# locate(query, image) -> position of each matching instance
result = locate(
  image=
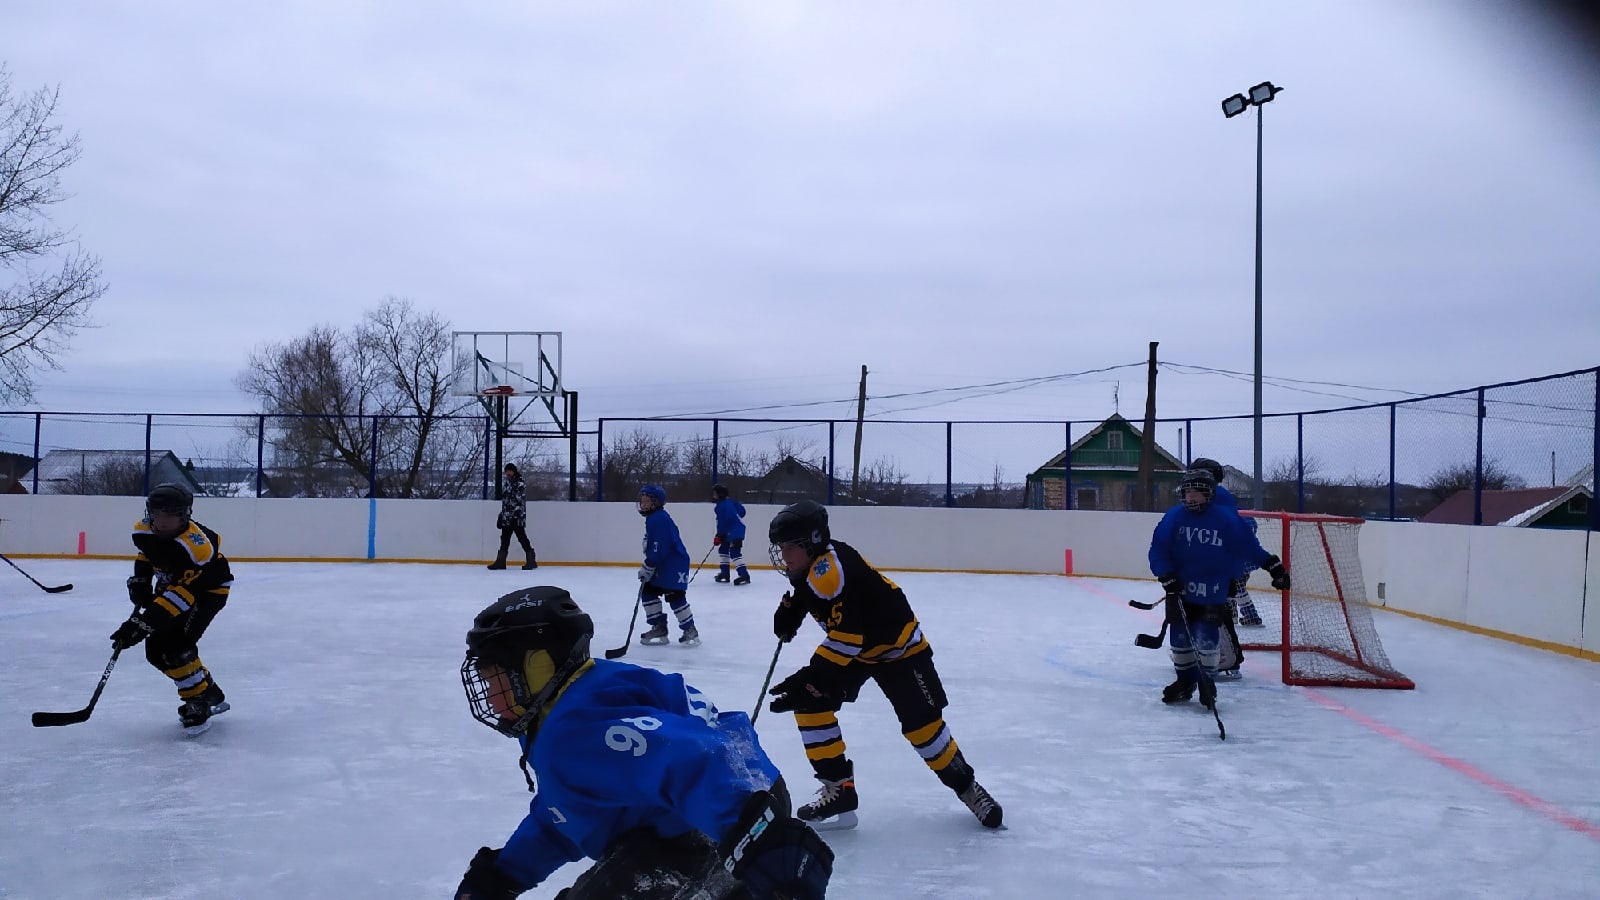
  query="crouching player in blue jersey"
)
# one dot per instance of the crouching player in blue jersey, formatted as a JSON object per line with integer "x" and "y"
{"x": 1196, "y": 551}
{"x": 631, "y": 767}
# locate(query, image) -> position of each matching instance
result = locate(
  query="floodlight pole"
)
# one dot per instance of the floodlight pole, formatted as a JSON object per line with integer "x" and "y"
{"x": 1257, "y": 495}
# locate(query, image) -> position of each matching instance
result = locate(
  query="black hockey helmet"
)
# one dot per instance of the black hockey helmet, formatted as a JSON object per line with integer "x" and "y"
{"x": 719, "y": 491}
{"x": 804, "y": 523}
{"x": 656, "y": 494}
{"x": 520, "y": 650}
{"x": 1210, "y": 465}
{"x": 1197, "y": 481}
{"x": 172, "y": 499}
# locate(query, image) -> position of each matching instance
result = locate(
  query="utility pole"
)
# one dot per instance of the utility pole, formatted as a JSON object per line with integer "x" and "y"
{"x": 1147, "y": 447}
{"x": 861, "y": 414}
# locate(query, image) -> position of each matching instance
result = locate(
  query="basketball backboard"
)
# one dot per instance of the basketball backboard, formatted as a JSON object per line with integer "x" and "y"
{"x": 505, "y": 363}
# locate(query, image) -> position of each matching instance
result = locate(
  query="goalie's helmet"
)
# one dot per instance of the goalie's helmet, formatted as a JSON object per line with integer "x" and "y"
{"x": 520, "y": 651}
{"x": 804, "y": 523}
{"x": 1210, "y": 465}
{"x": 651, "y": 498}
{"x": 172, "y": 499}
{"x": 1197, "y": 489}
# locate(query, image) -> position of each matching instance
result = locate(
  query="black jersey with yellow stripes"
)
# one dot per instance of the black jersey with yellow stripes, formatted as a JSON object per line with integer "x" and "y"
{"x": 186, "y": 566}
{"x": 866, "y": 615}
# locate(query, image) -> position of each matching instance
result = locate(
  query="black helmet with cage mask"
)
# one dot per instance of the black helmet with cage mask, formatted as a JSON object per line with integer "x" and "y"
{"x": 521, "y": 650}
{"x": 804, "y": 524}
{"x": 169, "y": 499}
{"x": 1197, "y": 489}
{"x": 1210, "y": 465}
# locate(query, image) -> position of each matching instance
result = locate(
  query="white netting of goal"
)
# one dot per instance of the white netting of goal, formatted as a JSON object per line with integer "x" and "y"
{"x": 1323, "y": 626}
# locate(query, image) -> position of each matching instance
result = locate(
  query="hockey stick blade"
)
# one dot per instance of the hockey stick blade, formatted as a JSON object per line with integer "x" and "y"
{"x": 619, "y": 652}
{"x": 53, "y": 719}
{"x": 57, "y": 589}
{"x": 1137, "y": 605}
{"x": 48, "y": 589}
{"x": 1151, "y": 641}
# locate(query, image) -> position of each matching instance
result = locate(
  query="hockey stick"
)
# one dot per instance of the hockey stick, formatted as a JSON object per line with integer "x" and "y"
{"x": 618, "y": 652}
{"x": 1150, "y": 641}
{"x": 766, "y": 684}
{"x": 699, "y": 567}
{"x": 52, "y": 719}
{"x": 46, "y": 588}
{"x": 1200, "y": 671}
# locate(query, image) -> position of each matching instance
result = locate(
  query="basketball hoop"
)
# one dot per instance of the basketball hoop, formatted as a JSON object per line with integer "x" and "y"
{"x": 499, "y": 390}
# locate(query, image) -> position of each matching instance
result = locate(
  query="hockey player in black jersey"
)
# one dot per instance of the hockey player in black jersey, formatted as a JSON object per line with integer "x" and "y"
{"x": 191, "y": 584}
{"x": 872, "y": 634}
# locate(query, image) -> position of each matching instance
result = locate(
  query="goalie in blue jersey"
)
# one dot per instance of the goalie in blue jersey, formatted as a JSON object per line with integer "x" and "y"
{"x": 629, "y": 766}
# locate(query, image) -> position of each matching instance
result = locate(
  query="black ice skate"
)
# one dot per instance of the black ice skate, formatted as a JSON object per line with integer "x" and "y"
{"x": 196, "y": 712}
{"x": 1179, "y": 691}
{"x": 690, "y": 637}
{"x": 1208, "y": 693}
{"x": 721, "y": 577}
{"x": 834, "y": 808}
{"x": 982, "y": 805}
{"x": 744, "y": 578}
{"x": 656, "y": 635}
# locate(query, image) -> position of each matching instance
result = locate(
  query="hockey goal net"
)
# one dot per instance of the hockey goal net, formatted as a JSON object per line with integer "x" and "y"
{"x": 1323, "y": 625}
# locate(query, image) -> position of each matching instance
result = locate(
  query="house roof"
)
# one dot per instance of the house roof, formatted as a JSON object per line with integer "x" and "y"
{"x": 1508, "y": 507}
{"x": 1114, "y": 419}
{"x": 60, "y": 465}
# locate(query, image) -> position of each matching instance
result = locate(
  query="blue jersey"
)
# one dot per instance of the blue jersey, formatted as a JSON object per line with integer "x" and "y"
{"x": 1206, "y": 550}
{"x": 730, "y": 519}
{"x": 628, "y": 747}
{"x": 664, "y": 552}
{"x": 1224, "y": 497}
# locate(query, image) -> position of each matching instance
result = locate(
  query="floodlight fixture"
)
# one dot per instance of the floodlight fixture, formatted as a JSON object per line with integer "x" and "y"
{"x": 1263, "y": 92}
{"x": 1234, "y": 105}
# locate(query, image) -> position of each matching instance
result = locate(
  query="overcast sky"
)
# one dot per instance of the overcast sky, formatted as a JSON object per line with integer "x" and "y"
{"x": 726, "y": 205}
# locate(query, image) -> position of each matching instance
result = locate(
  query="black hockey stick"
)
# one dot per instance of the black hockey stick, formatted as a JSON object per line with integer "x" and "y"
{"x": 1150, "y": 641}
{"x": 52, "y": 719}
{"x": 1200, "y": 671}
{"x": 701, "y": 566}
{"x": 46, "y": 588}
{"x": 618, "y": 652}
{"x": 766, "y": 684}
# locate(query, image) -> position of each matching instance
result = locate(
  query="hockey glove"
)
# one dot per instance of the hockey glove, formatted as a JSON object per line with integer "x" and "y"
{"x": 130, "y": 633}
{"x": 776, "y": 856}
{"x": 646, "y": 573}
{"x": 1172, "y": 586}
{"x": 716, "y": 541}
{"x": 140, "y": 592}
{"x": 786, "y": 618}
{"x": 485, "y": 881}
{"x": 806, "y": 691}
{"x": 1280, "y": 575}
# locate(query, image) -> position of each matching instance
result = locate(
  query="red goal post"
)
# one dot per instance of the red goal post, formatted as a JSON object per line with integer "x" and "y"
{"x": 1322, "y": 626}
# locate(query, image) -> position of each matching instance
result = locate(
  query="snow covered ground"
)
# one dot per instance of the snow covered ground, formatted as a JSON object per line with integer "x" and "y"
{"x": 350, "y": 768}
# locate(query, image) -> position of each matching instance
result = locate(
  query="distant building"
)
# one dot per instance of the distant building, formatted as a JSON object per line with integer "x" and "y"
{"x": 1563, "y": 506}
{"x": 1105, "y": 471}
{"x": 111, "y": 472}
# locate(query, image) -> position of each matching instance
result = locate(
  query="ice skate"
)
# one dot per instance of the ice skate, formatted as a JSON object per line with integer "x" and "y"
{"x": 1178, "y": 692}
{"x": 1251, "y": 622}
{"x": 744, "y": 578}
{"x": 982, "y": 805}
{"x": 721, "y": 577}
{"x": 834, "y": 808}
{"x": 690, "y": 637}
{"x": 195, "y": 714}
{"x": 656, "y": 635}
{"x": 1228, "y": 674}
{"x": 1208, "y": 693}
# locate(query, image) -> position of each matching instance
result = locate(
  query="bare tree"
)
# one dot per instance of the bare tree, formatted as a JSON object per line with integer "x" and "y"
{"x": 110, "y": 478}
{"x": 633, "y": 460}
{"x": 48, "y": 284}
{"x": 1462, "y": 477}
{"x": 338, "y": 402}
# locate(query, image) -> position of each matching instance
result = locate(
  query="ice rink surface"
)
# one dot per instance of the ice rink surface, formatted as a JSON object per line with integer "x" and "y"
{"x": 350, "y": 768}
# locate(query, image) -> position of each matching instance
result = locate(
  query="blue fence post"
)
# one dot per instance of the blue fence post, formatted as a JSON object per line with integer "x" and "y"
{"x": 1392, "y": 439}
{"x": 1477, "y": 477}
{"x": 831, "y": 463}
{"x": 38, "y": 429}
{"x": 716, "y": 433}
{"x": 1300, "y": 457}
{"x": 949, "y": 472}
{"x": 1066, "y": 469}
{"x": 261, "y": 454}
{"x": 149, "y": 426}
{"x": 599, "y": 460}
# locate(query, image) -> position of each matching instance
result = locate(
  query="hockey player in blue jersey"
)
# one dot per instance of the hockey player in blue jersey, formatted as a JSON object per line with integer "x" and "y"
{"x": 1241, "y": 608}
{"x": 665, "y": 573}
{"x": 730, "y": 536}
{"x": 1196, "y": 551}
{"x": 631, "y": 767}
